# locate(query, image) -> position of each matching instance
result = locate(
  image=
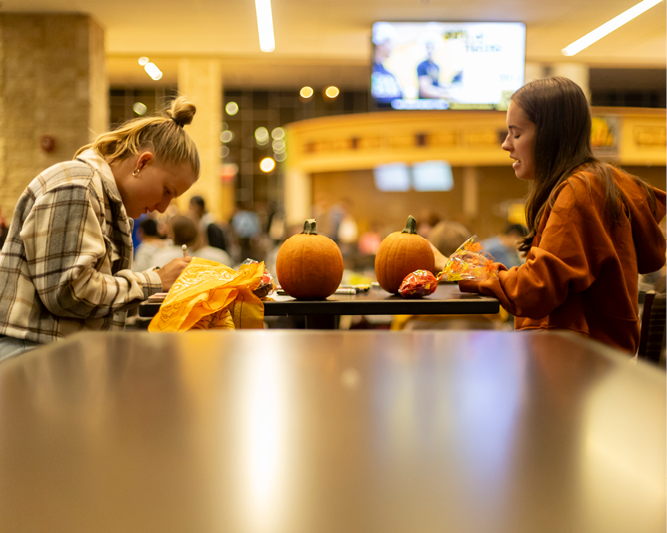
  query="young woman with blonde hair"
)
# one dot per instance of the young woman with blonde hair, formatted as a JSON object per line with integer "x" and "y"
{"x": 66, "y": 263}
{"x": 592, "y": 227}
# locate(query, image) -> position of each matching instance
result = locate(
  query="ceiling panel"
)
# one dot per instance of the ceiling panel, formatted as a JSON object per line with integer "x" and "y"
{"x": 309, "y": 32}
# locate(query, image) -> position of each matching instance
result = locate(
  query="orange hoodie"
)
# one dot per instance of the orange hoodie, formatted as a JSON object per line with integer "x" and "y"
{"x": 581, "y": 272}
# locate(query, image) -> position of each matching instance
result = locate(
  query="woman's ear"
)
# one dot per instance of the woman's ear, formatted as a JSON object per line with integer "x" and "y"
{"x": 144, "y": 159}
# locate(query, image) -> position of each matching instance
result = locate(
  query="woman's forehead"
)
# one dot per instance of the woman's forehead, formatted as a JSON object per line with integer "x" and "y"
{"x": 181, "y": 177}
{"x": 516, "y": 116}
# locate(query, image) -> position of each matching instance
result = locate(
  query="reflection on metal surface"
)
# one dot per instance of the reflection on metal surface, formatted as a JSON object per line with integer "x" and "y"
{"x": 609, "y": 453}
{"x": 489, "y": 399}
{"x": 350, "y": 378}
{"x": 258, "y": 432}
{"x": 264, "y": 434}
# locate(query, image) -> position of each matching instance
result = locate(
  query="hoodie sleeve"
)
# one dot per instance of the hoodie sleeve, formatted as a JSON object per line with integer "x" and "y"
{"x": 572, "y": 245}
{"x": 575, "y": 246}
{"x": 649, "y": 238}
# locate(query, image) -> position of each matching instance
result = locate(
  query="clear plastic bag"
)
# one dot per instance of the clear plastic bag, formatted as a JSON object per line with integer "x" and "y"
{"x": 469, "y": 262}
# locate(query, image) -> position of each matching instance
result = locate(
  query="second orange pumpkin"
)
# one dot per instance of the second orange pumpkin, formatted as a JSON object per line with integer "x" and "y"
{"x": 401, "y": 253}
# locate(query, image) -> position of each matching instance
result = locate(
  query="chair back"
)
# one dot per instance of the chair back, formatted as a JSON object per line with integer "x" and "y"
{"x": 652, "y": 335}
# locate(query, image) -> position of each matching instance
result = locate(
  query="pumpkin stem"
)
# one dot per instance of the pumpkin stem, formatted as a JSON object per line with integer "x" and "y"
{"x": 309, "y": 227}
{"x": 411, "y": 226}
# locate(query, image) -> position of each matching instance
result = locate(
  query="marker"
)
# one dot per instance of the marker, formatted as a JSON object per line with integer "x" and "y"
{"x": 344, "y": 290}
{"x": 185, "y": 250}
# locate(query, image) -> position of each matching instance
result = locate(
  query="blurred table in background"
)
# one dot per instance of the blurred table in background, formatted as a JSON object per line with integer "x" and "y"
{"x": 323, "y": 314}
{"x": 311, "y": 431}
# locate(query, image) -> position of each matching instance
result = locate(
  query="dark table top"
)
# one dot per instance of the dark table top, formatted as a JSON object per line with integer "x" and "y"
{"x": 300, "y": 431}
{"x": 446, "y": 300}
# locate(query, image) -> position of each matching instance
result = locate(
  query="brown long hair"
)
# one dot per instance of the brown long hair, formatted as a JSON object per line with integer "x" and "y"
{"x": 559, "y": 109}
{"x": 163, "y": 133}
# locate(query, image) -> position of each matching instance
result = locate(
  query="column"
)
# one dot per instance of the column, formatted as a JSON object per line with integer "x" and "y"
{"x": 201, "y": 81}
{"x": 579, "y": 73}
{"x": 470, "y": 193}
{"x": 298, "y": 196}
{"x": 52, "y": 84}
{"x": 534, "y": 71}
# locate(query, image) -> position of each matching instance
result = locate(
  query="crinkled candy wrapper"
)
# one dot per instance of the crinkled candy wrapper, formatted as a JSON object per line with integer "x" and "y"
{"x": 469, "y": 262}
{"x": 267, "y": 286}
{"x": 417, "y": 284}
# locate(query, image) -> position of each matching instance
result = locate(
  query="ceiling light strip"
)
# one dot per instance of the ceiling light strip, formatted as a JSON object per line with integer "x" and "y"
{"x": 615, "y": 23}
{"x": 267, "y": 41}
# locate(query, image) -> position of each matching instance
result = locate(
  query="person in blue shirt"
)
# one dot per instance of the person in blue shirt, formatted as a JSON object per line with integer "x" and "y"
{"x": 504, "y": 247}
{"x": 384, "y": 85}
{"x": 428, "y": 75}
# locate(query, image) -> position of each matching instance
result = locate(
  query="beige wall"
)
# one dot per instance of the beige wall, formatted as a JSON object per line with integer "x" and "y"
{"x": 52, "y": 82}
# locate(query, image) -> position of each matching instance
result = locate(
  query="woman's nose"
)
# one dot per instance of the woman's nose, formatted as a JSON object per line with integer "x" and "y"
{"x": 162, "y": 206}
{"x": 507, "y": 143}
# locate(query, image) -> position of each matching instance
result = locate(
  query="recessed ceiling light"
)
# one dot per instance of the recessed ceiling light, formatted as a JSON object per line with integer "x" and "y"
{"x": 267, "y": 41}
{"x": 332, "y": 92}
{"x": 152, "y": 70}
{"x": 615, "y": 23}
{"x": 267, "y": 164}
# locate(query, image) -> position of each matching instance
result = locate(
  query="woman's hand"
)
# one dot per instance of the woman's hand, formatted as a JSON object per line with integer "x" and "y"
{"x": 440, "y": 260}
{"x": 170, "y": 272}
{"x": 469, "y": 285}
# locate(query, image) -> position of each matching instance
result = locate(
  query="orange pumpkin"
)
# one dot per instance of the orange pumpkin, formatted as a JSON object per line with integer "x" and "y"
{"x": 309, "y": 266}
{"x": 401, "y": 253}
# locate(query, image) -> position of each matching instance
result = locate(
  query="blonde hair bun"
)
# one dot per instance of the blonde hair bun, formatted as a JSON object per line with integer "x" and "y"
{"x": 182, "y": 110}
{"x": 158, "y": 133}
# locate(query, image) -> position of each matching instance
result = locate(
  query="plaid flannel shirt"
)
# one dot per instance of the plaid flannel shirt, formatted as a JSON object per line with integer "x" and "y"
{"x": 65, "y": 266}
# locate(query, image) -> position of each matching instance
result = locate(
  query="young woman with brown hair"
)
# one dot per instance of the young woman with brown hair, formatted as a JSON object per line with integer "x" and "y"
{"x": 66, "y": 264}
{"x": 592, "y": 227}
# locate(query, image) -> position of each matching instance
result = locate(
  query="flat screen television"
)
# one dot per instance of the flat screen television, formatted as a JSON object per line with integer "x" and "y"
{"x": 423, "y": 176}
{"x": 447, "y": 65}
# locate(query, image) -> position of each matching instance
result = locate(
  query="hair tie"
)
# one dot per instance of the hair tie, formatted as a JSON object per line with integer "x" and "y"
{"x": 176, "y": 121}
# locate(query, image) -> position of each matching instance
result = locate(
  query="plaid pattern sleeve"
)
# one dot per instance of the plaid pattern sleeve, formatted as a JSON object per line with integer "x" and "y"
{"x": 65, "y": 267}
{"x": 66, "y": 251}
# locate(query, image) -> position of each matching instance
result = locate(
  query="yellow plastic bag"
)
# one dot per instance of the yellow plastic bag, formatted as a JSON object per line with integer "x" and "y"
{"x": 209, "y": 295}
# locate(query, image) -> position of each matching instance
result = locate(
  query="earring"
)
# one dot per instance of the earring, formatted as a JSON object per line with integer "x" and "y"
{"x": 136, "y": 172}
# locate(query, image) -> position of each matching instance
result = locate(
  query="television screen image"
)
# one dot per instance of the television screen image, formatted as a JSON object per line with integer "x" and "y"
{"x": 447, "y": 65}
{"x": 423, "y": 176}
{"x": 432, "y": 176}
{"x": 394, "y": 177}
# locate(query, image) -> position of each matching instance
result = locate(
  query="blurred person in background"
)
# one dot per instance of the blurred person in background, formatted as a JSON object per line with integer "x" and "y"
{"x": 183, "y": 230}
{"x": 426, "y": 221}
{"x": 505, "y": 247}
{"x": 447, "y": 236}
{"x": 151, "y": 242}
{"x": 74, "y": 224}
{"x": 247, "y": 227}
{"x": 347, "y": 231}
{"x": 322, "y": 215}
{"x": 370, "y": 240}
{"x": 213, "y": 233}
